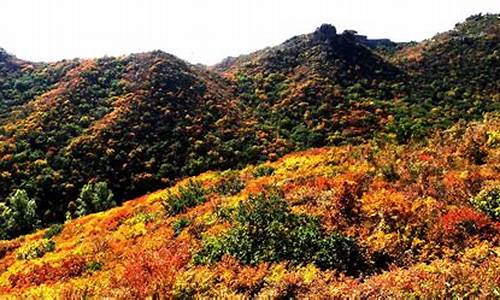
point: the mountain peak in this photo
(325, 32)
(3, 53)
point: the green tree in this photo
(5, 215)
(266, 230)
(488, 200)
(94, 197)
(18, 216)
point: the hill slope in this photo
(110, 119)
(141, 121)
(358, 221)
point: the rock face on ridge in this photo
(325, 32)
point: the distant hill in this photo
(465, 59)
(21, 81)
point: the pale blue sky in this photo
(203, 31)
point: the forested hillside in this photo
(140, 122)
(374, 220)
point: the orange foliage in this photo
(464, 221)
(113, 221)
(148, 272)
(242, 277)
(46, 273)
(386, 206)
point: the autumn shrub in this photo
(187, 196)
(493, 139)
(241, 278)
(45, 273)
(488, 200)
(386, 208)
(267, 231)
(152, 273)
(476, 154)
(198, 283)
(53, 231)
(462, 222)
(472, 146)
(7, 247)
(389, 172)
(263, 170)
(179, 225)
(229, 185)
(35, 249)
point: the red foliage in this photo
(465, 221)
(241, 277)
(7, 247)
(112, 222)
(316, 184)
(46, 274)
(424, 157)
(153, 272)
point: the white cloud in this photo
(207, 31)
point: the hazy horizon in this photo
(207, 32)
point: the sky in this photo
(203, 31)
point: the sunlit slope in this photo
(358, 221)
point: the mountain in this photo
(470, 50)
(110, 118)
(396, 174)
(140, 122)
(22, 81)
(313, 88)
(345, 92)
(454, 73)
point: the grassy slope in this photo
(405, 204)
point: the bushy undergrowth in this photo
(179, 225)
(53, 231)
(36, 249)
(488, 200)
(187, 196)
(229, 185)
(263, 171)
(267, 231)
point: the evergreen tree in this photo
(103, 197)
(93, 198)
(18, 216)
(84, 200)
(5, 214)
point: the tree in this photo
(18, 215)
(103, 197)
(94, 197)
(5, 213)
